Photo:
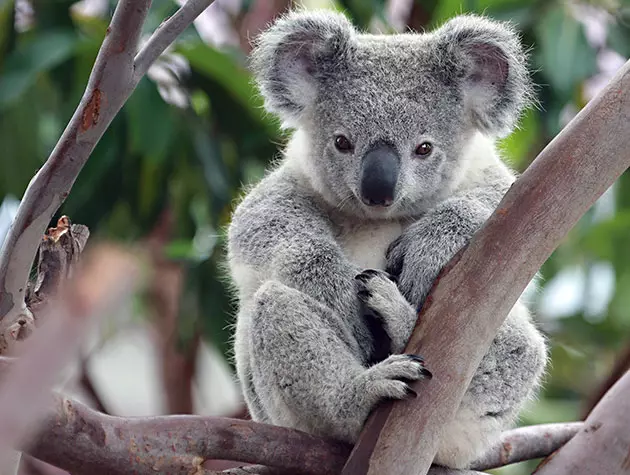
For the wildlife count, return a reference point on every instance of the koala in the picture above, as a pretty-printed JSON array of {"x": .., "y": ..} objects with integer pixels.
[{"x": 390, "y": 169}]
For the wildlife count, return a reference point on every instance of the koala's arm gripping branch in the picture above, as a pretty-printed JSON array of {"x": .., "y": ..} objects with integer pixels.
[
  {"x": 478, "y": 288},
  {"x": 113, "y": 78}
]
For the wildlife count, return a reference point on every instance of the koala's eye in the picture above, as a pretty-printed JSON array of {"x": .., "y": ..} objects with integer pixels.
[
  {"x": 424, "y": 149},
  {"x": 342, "y": 143}
]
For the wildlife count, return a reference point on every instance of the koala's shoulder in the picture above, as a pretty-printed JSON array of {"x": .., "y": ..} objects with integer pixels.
[{"x": 280, "y": 197}]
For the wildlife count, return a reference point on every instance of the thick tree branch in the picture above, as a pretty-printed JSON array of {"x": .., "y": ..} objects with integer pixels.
[
  {"x": 527, "y": 443},
  {"x": 82, "y": 441},
  {"x": 113, "y": 79},
  {"x": 603, "y": 443},
  {"x": 479, "y": 287}
]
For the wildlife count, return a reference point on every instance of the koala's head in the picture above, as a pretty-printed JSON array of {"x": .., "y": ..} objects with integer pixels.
[{"x": 385, "y": 118}]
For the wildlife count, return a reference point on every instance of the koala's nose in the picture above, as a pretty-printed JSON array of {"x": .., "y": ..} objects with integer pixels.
[{"x": 379, "y": 174}]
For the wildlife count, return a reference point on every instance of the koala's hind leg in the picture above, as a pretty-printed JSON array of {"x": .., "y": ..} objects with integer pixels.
[{"x": 307, "y": 369}]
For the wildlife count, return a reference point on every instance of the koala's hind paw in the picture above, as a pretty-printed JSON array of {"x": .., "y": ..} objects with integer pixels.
[{"x": 389, "y": 379}]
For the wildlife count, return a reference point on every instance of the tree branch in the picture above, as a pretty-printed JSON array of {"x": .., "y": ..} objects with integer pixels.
[
  {"x": 602, "y": 444},
  {"x": 85, "y": 442},
  {"x": 166, "y": 34},
  {"x": 476, "y": 291},
  {"x": 82, "y": 441},
  {"x": 113, "y": 79},
  {"x": 108, "y": 87},
  {"x": 527, "y": 443}
]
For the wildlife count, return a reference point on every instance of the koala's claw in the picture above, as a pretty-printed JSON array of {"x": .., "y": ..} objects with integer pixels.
[
  {"x": 368, "y": 274},
  {"x": 411, "y": 392},
  {"x": 364, "y": 295},
  {"x": 417, "y": 358}
]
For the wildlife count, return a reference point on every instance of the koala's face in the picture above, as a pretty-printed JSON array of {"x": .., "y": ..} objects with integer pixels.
[
  {"x": 387, "y": 118},
  {"x": 382, "y": 134}
]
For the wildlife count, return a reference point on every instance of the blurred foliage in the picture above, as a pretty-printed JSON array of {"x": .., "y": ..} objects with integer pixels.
[{"x": 189, "y": 138}]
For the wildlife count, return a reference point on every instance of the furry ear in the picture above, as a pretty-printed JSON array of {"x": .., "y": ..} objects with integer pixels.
[
  {"x": 294, "y": 55},
  {"x": 487, "y": 59}
]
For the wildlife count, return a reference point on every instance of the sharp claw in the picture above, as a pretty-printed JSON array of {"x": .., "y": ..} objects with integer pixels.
[
  {"x": 426, "y": 373},
  {"x": 364, "y": 294},
  {"x": 417, "y": 358},
  {"x": 366, "y": 274},
  {"x": 410, "y": 392}
]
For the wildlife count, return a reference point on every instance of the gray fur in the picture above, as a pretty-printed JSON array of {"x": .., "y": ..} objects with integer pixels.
[{"x": 314, "y": 344}]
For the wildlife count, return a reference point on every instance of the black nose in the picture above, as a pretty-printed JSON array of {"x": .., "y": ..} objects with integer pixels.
[{"x": 379, "y": 174}]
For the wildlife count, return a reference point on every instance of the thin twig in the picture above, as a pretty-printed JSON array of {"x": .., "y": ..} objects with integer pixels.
[
  {"x": 476, "y": 291},
  {"x": 527, "y": 443},
  {"x": 166, "y": 33}
]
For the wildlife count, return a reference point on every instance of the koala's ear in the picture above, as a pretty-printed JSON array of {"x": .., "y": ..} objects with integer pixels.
[
  {"x": 294, "y": 55},
  {"x": 486, "y": 57}
]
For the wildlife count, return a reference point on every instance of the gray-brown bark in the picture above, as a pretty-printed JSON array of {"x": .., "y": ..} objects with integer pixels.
[
  {"x": 527, "y": 443},
  {"x": 602, "y": 446}
]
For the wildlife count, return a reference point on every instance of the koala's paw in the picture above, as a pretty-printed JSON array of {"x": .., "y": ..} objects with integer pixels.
[
  {"x": 389, "y": 316},
  {"x": 390, "y": 378}
]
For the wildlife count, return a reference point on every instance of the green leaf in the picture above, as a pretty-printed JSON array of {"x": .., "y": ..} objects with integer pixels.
[
  {"x": 7, "y": 28},
  {"x": 361, "y": 12},
  {"x": 151, "y": 122},
  {"x": 234, "y": 79},
  {"x": 608, "y": 239},
  {"x": 564, "y": 54},
  {"x": 24, "y": 65},
  {"x": 518, "y": 146},
  {"x": 618, "y": 37}
]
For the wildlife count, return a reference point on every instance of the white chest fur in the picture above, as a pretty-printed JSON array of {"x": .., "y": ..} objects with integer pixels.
[{"x": 366, "y": 244}]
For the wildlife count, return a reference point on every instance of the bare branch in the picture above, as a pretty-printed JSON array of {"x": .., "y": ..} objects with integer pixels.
[
  {"x": 104, "y": 278},
  {"x": 109, "y": 85},
  {"x": 478, "y": 288},
  {"x": 85, "y": 442},
  {"x": 601, "y": 445},
  {"x": 166, "y": 33},
  {"x": 113, "y": 79},
  {"x": 82, "y": 441},
  {"x": 527, "y": 443}
]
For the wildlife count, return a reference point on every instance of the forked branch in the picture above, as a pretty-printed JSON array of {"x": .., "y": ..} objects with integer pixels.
[{"x": 115, "y": 75}]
